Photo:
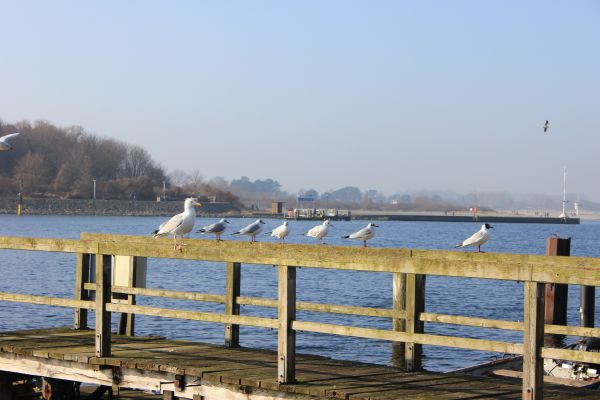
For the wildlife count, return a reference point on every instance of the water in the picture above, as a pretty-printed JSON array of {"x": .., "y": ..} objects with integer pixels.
[{"x": 52, "y": 274}]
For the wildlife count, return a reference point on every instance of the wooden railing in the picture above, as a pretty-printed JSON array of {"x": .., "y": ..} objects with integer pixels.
[{"x": 409, "y": 269}]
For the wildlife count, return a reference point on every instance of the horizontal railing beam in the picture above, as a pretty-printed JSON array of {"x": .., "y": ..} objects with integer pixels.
[
  {"x": 47, "y": 244},
  {"x": 47, "y": 301},
  {"x": 571, "y": 355}
]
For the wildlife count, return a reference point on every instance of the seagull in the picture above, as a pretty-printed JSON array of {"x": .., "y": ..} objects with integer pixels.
[
  {"x": 546, "y": 126},
  {"x": 478, "y": 238},
  {"x": 4, "y": 145},
  {"x": 216, "y": 228},
  {"x": 251, "y": 230},
  {"x": 319, "y": 231},
  {"x": 281, "y": 231},
  {"x": 363, "y": 234},
  {"x": 179, "y": 224}
]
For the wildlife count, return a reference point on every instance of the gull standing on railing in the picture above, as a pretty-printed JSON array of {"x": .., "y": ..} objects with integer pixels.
[
  {"x": 251, "y": 230},
  {"x": 320, "y": 231},
  {"x": 478, "y": 238},
  {"x": 179, "y": 224},
  {"x": 281, "y": 231},
  {"x": 217, "y": 228},
  {"x": 364, "y": 234}
]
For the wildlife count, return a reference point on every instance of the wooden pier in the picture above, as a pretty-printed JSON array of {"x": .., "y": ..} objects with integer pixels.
[{"x": 175, "y": 368}]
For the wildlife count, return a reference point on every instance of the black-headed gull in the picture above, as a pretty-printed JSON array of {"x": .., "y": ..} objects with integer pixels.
[
  {"x": 179, "y": 224},
  {"x": 478, "y": 238},
  {"x": 4, "y": 141},
  {"x": 216, "y": 229},
  {"x": 319, "y": 231},
  {"x": 363, "y": 234},
  {"x": 251, "y": 230},
  {"x": 281, "y": 231}
]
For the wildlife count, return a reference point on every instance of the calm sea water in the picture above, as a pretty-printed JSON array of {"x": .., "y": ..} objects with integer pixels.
[{"x": 52, "y": 274}]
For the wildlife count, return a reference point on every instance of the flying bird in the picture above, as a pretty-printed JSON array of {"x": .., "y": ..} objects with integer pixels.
[
  {"x": 363, "y": 234},
  {"x": 251, "y": 230},
  {"x": 478, "y": 238},
  {"x": 281, "y": 231},
  {"x": 319, "y": 231},
  {"x": 546, "y": 126},
  {"x": 179, "y": 224},
  {"x": 216, "y": 229},
  {"x": 4, "y": 141}
]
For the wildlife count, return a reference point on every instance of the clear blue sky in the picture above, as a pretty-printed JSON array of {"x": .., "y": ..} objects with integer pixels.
[{"x": 393, "y": 96}]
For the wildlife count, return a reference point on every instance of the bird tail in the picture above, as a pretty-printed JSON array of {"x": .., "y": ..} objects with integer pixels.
[
  {"x": 155, "y": 234},
  {"x": 459, "y": 245},
  {"x": 236, "y": 233},
  {"x": 201, "y": 231},
  {"x": 268, "y": 233},
  {"x": 346, "y": 237}
]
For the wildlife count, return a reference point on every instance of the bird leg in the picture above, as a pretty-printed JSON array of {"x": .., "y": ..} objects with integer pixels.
[
  {"x": 218, "y": 237},
  {"x": 364, "y": 243}
]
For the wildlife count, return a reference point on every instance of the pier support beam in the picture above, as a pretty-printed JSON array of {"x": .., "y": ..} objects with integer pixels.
[
  {"x": 415, "y": 305},
  {"x": 232, "y": 291},
  {"x": 82, "y": 276},
  {"x": 103, "y": 296},
  {"x": 533, "y": 341},
  {"x": 286, "y": 338},
  {"x": 398, "y": 324},
  {"x": 556, "y": 294}
]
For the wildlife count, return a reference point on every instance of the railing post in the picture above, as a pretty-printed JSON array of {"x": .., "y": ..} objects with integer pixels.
[
  {"x": 286, "y": 340},
  {"x": 125, "y": 273},
  {"x": 415, "y": 305},
  {"x": 556, "y": 294},
  {"x": 398, "y": 324},
  {"x": 82, "y": 275},
  {"x": 103, "y": 296},
  {"x": 232, "y": 291},
  {"x": 533, "y": 341}
]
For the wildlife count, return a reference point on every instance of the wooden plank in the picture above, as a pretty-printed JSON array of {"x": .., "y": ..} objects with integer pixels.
[
  {"x": 45, "y": 300},
  {"x": 48, "y": 244},
  {"x": 426, "y": 339},
  {"x": 232, "y": 292},
  {"x": 171, "y": 294},
  {"x": 471, "y": 321},
  {"x": 399, "y": 323},
  {"x": 194, "y": 315},
  {"x": 103, "y": 298},
  {"x": 415, "y": 305},
  {"x": 533, "y": 341},
  {"x": 82, "y": 276},
  {"x": 286, "y": 337},
  {"x": 571, "y": 355}
]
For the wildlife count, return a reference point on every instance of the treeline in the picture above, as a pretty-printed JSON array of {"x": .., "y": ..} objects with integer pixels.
[{"x": 51, "y": 161}]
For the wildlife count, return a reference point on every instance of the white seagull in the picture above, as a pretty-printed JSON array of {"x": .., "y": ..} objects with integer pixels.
[
  {"x": 281, "y": 231},
  {"x": 4, "y": 145},
  {"x": 319, "y": 231},
  {"x": 478, "y": 238},
  {"x": 251, "y": 230},
  {"x": 179, "y": 224},
  {"x": 546, "y": 126},
  {"x": 364, "y": 234},
  {"x": 217, "y": 228}
]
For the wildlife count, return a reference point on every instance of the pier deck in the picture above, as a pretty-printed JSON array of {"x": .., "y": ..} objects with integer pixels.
[{"x": 153, "y": 363}]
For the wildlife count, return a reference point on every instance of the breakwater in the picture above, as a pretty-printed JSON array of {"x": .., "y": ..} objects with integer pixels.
[
  {"x": 467, "y": 218},
  {"x": 49, "y": 206}
]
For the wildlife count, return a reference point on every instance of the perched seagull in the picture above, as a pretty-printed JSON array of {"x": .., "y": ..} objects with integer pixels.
[
  {"x": 546, "y": 126},
  {"x": 364, "y": 234},
  {"x": 319, "y": 231},
  {"x": 4, "y": 145},
  {"x": 281, "y": 231},
  {"x": 180, "y": 224},
  {"x": 251, "y": 230},
  {"x": 216, "y": 228},
  {"x": 478, "y": 238}
]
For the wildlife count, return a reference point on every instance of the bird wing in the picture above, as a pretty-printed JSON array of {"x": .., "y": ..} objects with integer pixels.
[
  {"x": 5, "y": 138},
  {"x": 475, "y": 238},
  {"x": 252, "y": 228},
  {"x": 170, "y": 225},
  {"x": 314, "y": 231},
  {"x": 361, "y": 233}
]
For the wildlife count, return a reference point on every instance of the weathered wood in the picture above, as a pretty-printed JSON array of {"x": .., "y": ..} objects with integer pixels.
[
  {"x": 398, "y": 324},
  {"x": 232, "y": 292},
  {"x": 47, "y": 244},
  {"x": 533, "y": 341},
  {"x": 48, "y": 301},
  {"x": 556, "y": 294},
  {"x": 103, "y": 298},
  {"x": 194, "y": 315},
  {"x": 415, "y": 305},
  {"x": 170, "y": 294},
  {"x": 82, "y": 276},
  {"x": 286, "y": 338},
  {"x": 471, "y": 321}
]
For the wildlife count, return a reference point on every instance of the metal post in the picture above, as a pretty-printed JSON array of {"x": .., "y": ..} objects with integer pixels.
[{"x": 93, "y": 180}]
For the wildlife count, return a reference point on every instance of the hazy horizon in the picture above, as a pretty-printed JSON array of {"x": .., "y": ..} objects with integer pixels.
[{"x": 392, "y": 96}]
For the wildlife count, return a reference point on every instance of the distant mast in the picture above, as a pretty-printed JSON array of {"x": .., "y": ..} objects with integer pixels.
[{"x": 563, "y": 215}]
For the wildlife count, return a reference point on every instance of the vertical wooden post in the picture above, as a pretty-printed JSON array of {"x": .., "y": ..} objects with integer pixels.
[
  {"x": 415, "y": 305},
  {"x": 556, "y": 294},
  {"x": 587, "y": 306},
  {"x": 232, "y": 291},
  {"x": 533, "y": 341},
  {"x": 103, "y": 296},
  {"x": 398, "y": 324},
  {"x": 286, "y": 339},
  {"x": 82, "y": 276}
]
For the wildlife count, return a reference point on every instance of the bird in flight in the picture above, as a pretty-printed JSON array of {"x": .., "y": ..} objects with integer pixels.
[
  {"x": 4, "y": 144},
  {"x": 546, "y": 126}
]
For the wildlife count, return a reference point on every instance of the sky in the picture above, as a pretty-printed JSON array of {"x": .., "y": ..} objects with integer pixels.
[{"x": 395, "y": 96}]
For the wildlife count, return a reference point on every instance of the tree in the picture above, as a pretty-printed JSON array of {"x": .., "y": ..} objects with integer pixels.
[{"x": 31, "y": 172}]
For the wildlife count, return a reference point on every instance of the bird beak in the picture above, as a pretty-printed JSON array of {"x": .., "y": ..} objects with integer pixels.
[
  {"x": 262, "y": 222},
  {"x": 376, "y": 226},
  {"x": 197, "y": 204}
]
